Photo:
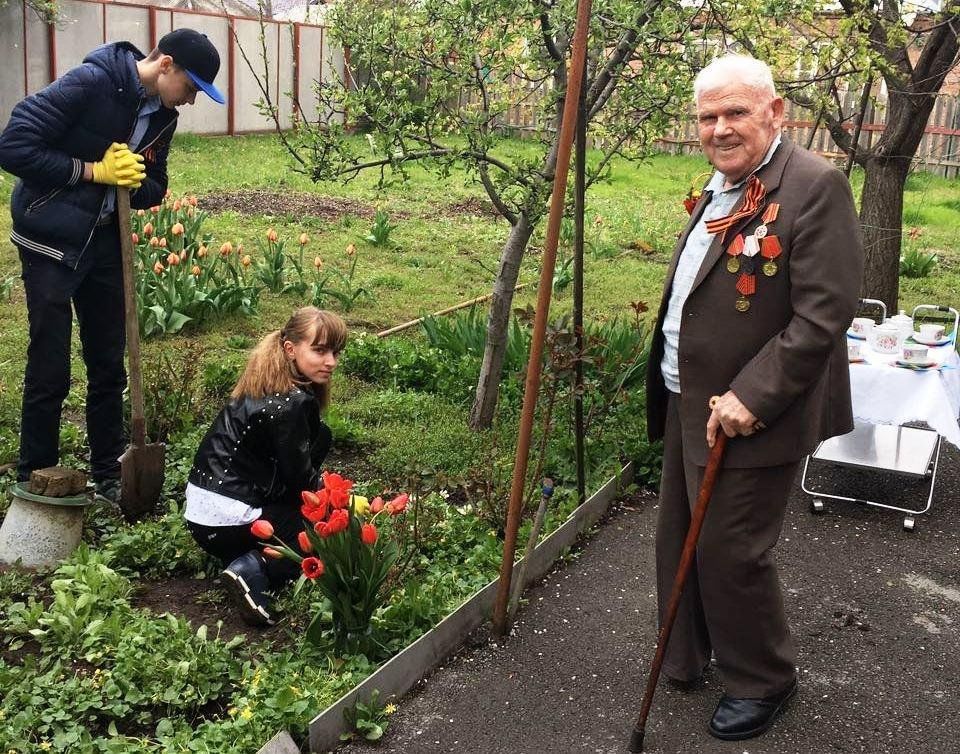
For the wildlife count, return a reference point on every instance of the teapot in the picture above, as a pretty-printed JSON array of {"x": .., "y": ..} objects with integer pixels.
[
  {"x": 887, "y": 338},
  {"x": 903, "y": 323}
]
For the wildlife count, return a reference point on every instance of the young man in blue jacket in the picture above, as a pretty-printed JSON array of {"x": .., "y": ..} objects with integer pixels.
[{"x": 104, "y": 124}]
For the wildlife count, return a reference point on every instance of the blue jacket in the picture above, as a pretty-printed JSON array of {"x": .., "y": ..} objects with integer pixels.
[{"x": 74, "y": 120}]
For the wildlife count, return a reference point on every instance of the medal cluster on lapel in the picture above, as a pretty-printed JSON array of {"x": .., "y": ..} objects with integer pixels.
[{"x": 742, "y": 253}]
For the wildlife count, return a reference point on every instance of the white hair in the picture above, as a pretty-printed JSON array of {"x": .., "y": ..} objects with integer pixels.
[{"x": 734, "y": 69}]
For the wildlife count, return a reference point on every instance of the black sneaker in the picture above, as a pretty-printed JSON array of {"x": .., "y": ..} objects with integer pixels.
[
  {"x": 107, "y": 491},
  {"x": 246, "y": 581}
]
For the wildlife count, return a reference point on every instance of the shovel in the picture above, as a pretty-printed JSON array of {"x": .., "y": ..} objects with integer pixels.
[
  {"x": 683, "y": 570},
  {"x": 141, "y": 465}
]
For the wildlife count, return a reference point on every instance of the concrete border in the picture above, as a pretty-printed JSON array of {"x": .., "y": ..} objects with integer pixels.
[{"x": 398, "y": 675}]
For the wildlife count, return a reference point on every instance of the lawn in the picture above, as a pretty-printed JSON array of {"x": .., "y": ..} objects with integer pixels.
[{"x": 109, "y": 654}]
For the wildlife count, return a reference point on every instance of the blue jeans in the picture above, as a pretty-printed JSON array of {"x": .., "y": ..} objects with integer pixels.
[{"x": 95, "y": 290}]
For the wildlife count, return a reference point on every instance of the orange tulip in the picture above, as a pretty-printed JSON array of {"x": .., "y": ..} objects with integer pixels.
[
  {"x": 163, "y": 242},
  {"x": 155, "y": 242},
  {"x": 351, "y": 249},
  {"x": 173, "y": 260},
  {"x": 270, "y": 552},
  {"x": 272, "y": 235},
  {"x": 195, "y": 270},
  {"x": 226, "y": 249},
  {"x": 192, "y": 200},
  {"x": 158, "y": 268},
  {"x": 177, "y": 229},
  {"x": 176, "y": 205},
  {"x": 201, "y": 252},
  {"x": 318, "y": 262},
  {"x": 239, "y": 249},
  {"x": 304, "y": 239},
  {"x": 155, "y": 208},
  {"x": 148, "y": 229},
  {"x": 140, "y": 213},
  {"x": 190, "y": 212},
  {"x": 246, "y": 260}
]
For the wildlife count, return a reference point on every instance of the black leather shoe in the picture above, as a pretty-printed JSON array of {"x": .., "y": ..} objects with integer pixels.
[
  {"x": 737, "y": 719},
  {"x": 246, "y": 580}
]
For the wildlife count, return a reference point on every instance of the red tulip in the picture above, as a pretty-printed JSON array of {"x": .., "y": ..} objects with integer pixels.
[
  {"x": 304, "y": 541},
  {"x": 368, "y": 534},
  {"x": 398, "y": 505},
  {"x": 261, "y": 529},
  {"x": 315, "y": 505},
  {"x": 376, "y": 505},
  {"x": 338, "y": 489},
  {"x": 322, "y": 529},
  {"x": 135, "y": 237},
  {"x": 272, "y": 553},
  {"x": 338, "y": 522},
  {"x": 312, "y": 567}
]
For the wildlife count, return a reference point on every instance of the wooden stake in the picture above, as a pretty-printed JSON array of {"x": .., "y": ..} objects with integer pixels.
[{"x": 534, "y": 364}]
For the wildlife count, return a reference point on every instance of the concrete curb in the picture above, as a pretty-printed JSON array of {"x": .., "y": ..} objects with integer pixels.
[{"x": 401, "y": 672}]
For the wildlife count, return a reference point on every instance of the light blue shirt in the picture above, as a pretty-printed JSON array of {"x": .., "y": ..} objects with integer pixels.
[
  {"x": 148, "y": 106},
  {"x": 722, "y": 202}
]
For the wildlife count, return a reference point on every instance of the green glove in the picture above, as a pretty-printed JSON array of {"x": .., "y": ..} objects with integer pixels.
[{"x": 119, "y": 167}]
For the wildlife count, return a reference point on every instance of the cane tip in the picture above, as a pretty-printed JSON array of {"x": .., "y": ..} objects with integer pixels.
[
  {"x": 714, "y": 400},
  {"x": 636, "y": 740}
]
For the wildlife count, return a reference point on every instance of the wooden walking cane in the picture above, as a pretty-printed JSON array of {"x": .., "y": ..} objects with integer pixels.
[{"x": 683, "y": 570}]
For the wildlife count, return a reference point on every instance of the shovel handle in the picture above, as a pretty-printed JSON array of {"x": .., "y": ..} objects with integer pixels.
[
  {"x": 683, "y": 570},
  {"x": 138, "y": 427}
]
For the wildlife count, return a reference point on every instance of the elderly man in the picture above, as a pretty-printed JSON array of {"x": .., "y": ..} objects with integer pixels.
[{"x": 763, "y": 283}]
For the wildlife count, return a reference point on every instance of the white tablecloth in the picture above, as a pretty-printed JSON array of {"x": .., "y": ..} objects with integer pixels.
[{"x": 887, "y": 394}]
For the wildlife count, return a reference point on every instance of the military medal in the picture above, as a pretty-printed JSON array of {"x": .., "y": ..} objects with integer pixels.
[
  {"x": 769, "y": 268},
  {"x": 733, "y": 264},
  {"x": 761, "y": 231},
  {"x": 743, "y": 304}
]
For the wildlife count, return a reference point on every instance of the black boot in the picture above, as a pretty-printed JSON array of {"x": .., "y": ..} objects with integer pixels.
[
  {"x": 246, "y": 581},
  {"x": 737, "y": 719}
]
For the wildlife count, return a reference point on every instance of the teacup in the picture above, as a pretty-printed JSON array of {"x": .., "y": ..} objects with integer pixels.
[
  {"x": 931, "y": 332},
  {"x": 853, "y": 351},
  {"x": 915, "y": 354},
  {"x": 861, "y": 326}
]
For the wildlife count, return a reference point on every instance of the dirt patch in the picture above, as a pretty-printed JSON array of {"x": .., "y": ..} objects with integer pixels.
[
  {"x": 473, "y": 205},
  {"x": 200, "y": 601},
  {"x": 298, "y": 204}
]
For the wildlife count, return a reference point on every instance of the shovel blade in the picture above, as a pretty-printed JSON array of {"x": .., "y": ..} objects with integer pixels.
[{"x": 141, "y": 479}]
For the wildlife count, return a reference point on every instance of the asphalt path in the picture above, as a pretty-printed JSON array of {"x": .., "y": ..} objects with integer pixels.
[{"x": 875, "y": 612}]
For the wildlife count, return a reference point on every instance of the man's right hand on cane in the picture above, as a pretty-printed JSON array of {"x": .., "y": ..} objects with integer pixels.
[{"x": 118, "y": 167}]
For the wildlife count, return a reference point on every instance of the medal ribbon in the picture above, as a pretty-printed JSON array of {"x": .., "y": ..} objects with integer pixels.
[{"x": 751, "y": 203}]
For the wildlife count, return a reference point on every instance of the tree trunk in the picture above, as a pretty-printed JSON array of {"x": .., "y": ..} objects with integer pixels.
[
  {"x": 881, "y": 217},
  {"x": 485, "y": 402}
]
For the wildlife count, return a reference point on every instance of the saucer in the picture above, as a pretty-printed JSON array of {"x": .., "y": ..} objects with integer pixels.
[
  {"x": 920, "y": 339},
  {"x": 921, "y": 365},
  {"x": 852, "y": 334}
]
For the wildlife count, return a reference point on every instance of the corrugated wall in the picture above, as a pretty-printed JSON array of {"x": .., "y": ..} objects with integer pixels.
[{"x": 297, "y": 55}]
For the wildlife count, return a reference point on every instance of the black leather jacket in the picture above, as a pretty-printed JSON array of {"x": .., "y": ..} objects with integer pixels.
[{"x": 264, "y": 451}]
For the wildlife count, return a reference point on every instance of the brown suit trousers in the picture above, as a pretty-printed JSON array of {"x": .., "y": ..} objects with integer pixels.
[{"x": 732, "y": 604}]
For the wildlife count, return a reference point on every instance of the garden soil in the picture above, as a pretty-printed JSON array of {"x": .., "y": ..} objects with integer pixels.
[{"x": 875, "y": 613}]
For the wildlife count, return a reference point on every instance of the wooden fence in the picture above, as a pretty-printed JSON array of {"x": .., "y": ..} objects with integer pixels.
[{"x": 938, "y": 153}]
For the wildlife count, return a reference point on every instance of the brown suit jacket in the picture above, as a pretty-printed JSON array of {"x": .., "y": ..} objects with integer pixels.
[{"x": 786, "y": 357}]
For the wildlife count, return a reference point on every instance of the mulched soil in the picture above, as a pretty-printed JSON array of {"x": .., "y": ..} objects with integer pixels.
[
  {"x": 302, "y": 204},
  {"x": 297, "y": 204},
  {"x": 875, "y": 613}
]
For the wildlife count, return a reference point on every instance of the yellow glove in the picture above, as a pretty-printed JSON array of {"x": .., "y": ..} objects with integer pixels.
[{"x": 119, "y": 167}]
